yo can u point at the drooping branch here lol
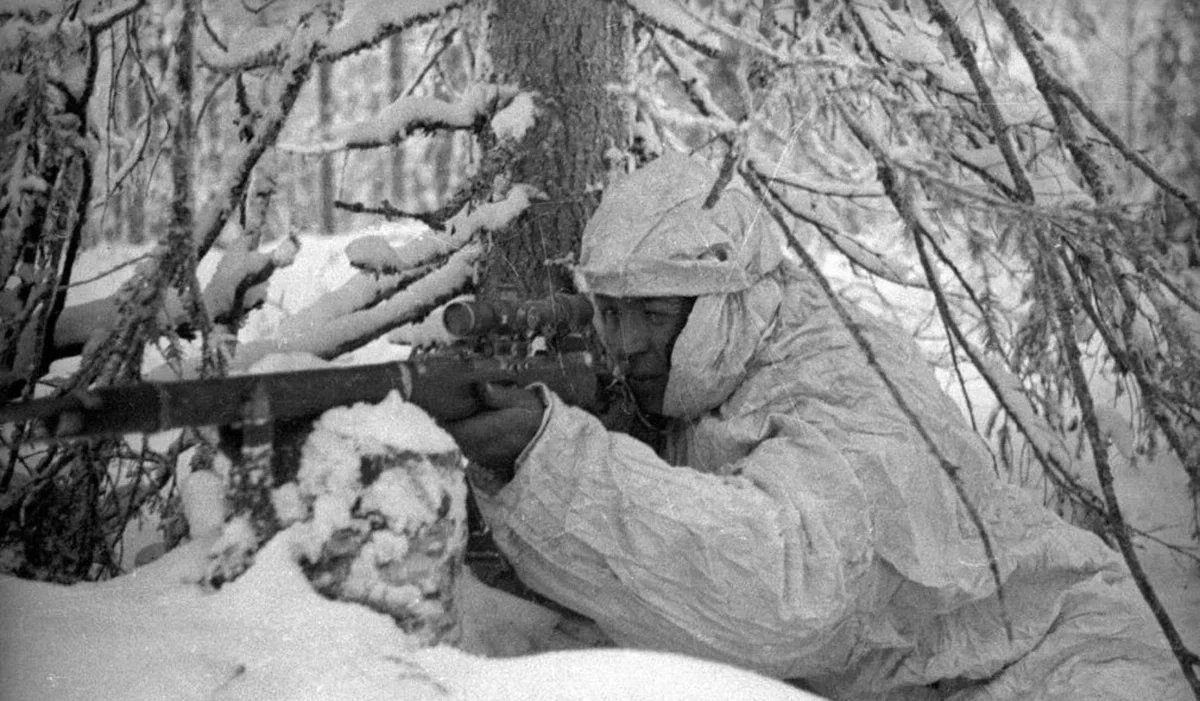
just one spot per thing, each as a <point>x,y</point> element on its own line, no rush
<point>139,301</point>
<point>1060,297</point>
<point>1003,386</point>
<point>948,468</point>
<point>858,254</point>
<point>389,294</point>
<point>987,99</point>
<point>365,26</point>
<point>673,19</point>
<point>302,52</point>
<point>494,161</point>
<point>1066,325</point>
<point>695,85</point>
<point>328,336</point>
<point>1050,88</point>
<point>1118,143</point>
<point>408,115</point>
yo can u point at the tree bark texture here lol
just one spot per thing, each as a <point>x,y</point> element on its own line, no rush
<point>325,177</point>
<point>569,53</point>
<point>396,191</point>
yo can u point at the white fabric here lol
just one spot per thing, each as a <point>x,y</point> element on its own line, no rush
<point>797,525</point>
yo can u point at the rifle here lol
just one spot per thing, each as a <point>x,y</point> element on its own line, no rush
<point>495,341</point>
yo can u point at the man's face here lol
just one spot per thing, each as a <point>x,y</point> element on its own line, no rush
<point>640,333</point>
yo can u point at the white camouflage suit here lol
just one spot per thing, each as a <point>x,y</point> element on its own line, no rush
<point>797,524</point>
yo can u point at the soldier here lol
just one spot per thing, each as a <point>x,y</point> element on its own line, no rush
<point>789,518</point>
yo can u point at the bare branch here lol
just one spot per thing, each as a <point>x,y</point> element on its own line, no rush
<point>950,469</point>
<point>101,21</point>
<point>356,32</point>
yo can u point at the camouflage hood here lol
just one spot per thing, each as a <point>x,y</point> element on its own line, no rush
<point>652,237</point>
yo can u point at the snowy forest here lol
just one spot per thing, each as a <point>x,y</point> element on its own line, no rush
<point>200,188</point>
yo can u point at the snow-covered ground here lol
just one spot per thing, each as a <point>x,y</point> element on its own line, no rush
<point>155,634</point>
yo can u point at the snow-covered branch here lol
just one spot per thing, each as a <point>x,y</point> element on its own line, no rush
<point>237,286</point>
<point>314,331</point>
<point>912,42</point>
<point>695,84</point>
<point>386,295</point>
<point>409,114</point>
<point>950,470</point>
<point>102,20</point>
<point>710,36</point>
<point>814,212</point>
<point>364,24</point>
<point>301,52</point>
<point>672,18</point>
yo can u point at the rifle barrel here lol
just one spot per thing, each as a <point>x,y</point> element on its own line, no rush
<point>444,387</point>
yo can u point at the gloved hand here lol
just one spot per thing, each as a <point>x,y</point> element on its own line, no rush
<point>494,437</point>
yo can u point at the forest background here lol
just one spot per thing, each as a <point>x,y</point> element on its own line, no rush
<point>1012,181</point>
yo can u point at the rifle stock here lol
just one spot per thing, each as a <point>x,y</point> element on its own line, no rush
<point>445,387</point>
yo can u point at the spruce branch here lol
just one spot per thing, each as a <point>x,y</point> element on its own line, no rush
<point>831,235</point>
<point>1090,170</point>
<point>1064,312</point>
<point>987,99</point>
<point>950,469</point>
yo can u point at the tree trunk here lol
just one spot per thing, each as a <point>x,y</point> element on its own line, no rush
<point>133,191</point>
<point>396,179</point>
<point>568,53</point>
<point>325,184</point>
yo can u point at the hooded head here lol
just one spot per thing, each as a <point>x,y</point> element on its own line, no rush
<point>651,237</point>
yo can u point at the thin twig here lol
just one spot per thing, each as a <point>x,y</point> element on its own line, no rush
<point>1020,30</point>
<point>950,469</point>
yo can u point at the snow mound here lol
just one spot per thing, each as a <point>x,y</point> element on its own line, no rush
<point>393,422</point>
<point>154,634</point>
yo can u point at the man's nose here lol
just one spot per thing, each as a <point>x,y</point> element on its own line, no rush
<point>633,336</point>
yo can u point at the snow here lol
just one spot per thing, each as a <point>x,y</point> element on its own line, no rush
<point>907,39</point>
<point>407,114</point>
<point>156,635</point>
<point>381,423</point>
<point>672,17</point>
<point>517,118</point>
<point>374,254</point>
<point>330,336</point>
<point>494,216</point>
<point>365,20</point>
<point>248,46</point>
<point>203,496</point>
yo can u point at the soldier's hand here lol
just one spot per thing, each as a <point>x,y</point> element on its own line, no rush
<point>495,437</point>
